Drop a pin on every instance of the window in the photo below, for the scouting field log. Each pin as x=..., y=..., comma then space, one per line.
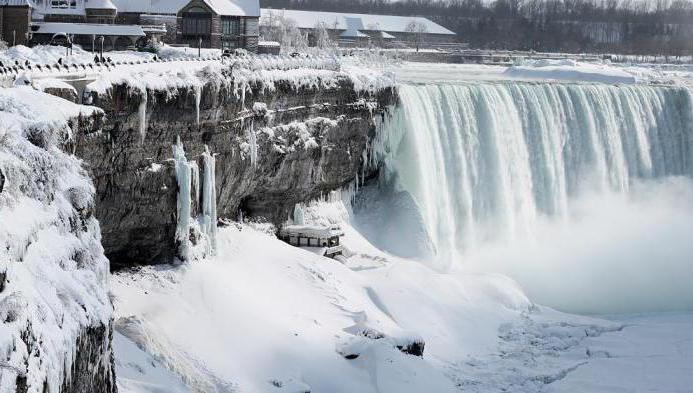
x=231, y=26
x=196, y=25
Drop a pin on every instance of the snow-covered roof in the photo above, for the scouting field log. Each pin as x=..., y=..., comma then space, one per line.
x=89, y=28
x=353, y=34
x=150, y=6
x=268, y=43
x=312, y=231
x=385, y=35
x=221, y=7
x=235, y=7
x=100, y=4
x=344, y=21
x=15, y=2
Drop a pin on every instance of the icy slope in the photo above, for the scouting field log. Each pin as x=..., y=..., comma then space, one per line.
x=53, y=274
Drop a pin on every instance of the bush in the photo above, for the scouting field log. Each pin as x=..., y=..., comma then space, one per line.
x=149, y=49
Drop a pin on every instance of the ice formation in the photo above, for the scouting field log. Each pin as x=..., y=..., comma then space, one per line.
x=53, y=274
x=142, y=113
x=198, y=99
x=183, y=177
x=298, y=215
x=208, y=218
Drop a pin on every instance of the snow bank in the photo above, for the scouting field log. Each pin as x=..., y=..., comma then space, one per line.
x=52, y=83
x=570, y=70
x=53, y=274
x=242, y=75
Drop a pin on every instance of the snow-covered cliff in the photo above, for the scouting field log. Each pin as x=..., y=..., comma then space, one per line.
x=54, y=305
x=281, y=133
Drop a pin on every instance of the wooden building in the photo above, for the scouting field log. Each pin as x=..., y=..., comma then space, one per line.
x=15, y=21
x=220, y=24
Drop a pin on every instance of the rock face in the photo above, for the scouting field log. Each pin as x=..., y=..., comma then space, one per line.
x=273, y=149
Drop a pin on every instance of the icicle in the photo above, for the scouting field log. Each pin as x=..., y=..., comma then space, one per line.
x=143, y=116
x=252, y=139
x=299, y=217
x=364, y=163
x=195, y=179
x=183, y=205
x=356, y=182
x=198, y=99
x=209, y=201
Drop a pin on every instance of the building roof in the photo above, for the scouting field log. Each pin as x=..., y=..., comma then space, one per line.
x=312, y=231
x=235, y=7
x=221, y=7
x=151, y=6
x=353, y=34
x=16, y=3
x=100, y=4
x=90, y=29
x=345, y=21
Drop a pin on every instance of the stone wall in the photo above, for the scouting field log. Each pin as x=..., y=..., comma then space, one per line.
x=135, y=179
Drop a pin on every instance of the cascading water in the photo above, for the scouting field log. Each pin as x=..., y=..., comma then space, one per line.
x=484, y=160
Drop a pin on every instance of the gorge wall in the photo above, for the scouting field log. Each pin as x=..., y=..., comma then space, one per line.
x=275, y=146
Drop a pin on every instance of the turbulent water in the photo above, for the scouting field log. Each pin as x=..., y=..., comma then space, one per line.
x=485, y=160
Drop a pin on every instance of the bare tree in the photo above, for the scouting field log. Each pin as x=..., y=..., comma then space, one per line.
x=417, y=31
x=277, y=27
x=322, y=36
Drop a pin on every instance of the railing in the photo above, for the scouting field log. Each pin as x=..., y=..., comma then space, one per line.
x=252, y=63
x=154, y=28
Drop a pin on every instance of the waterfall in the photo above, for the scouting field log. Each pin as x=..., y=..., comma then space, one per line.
x=484, y=160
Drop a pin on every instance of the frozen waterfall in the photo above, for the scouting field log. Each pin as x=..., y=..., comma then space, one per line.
x=183, y=178
x=484, y=160
x=208, y=219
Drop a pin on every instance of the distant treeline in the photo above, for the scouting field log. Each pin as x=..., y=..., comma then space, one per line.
x=661, y=27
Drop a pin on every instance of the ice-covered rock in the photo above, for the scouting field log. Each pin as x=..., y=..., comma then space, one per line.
x=54, y=303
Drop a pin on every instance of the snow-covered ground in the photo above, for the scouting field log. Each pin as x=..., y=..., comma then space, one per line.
x=652, y=353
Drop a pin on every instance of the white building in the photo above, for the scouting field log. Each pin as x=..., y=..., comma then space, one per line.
x=359, y=28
